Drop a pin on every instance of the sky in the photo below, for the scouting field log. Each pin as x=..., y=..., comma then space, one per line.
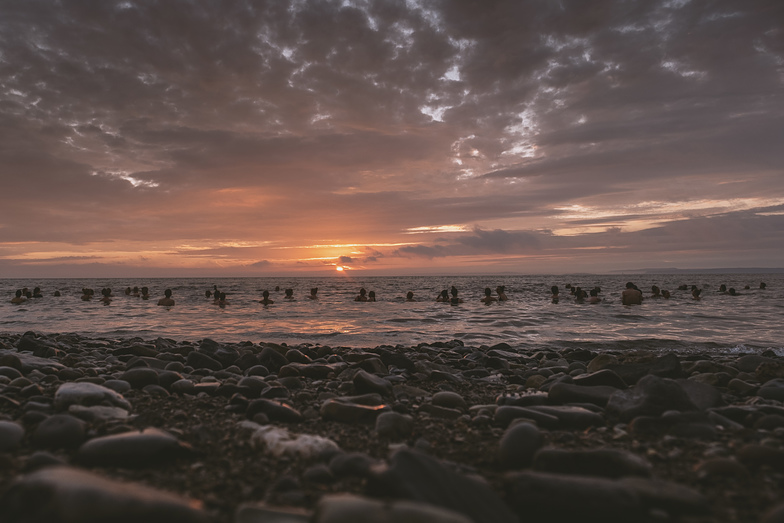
x=253, y=138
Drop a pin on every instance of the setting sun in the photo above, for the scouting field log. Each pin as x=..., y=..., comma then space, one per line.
x=338, y=268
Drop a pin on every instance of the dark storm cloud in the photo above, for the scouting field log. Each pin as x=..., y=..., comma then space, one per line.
x=125, y=119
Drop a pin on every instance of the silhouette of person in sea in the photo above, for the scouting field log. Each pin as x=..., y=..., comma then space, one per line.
x=631, y=295
x=265, y=298
x=289, y=294
x=695, y=293
x=167, y=299
x=37, y=293
x=57, y=294
x=655, y=292
x=107, y=296
x=362, y=295
x=763, y=285
x=579, y=295
x=454, y=300
x=145, y=293
x=665, y=294
x=554, y=292
x=222, y=301
x=135, y=292
x=128, y=291
x=410, y=296
x=594, y=296
x=18, y=298
x=733, y=292
x=313, y=293
x=443, y=297
x=207, y=294
x=87, y=294
x=488, y=299
x=723, y=289
x=372, y=296
x=501, y=294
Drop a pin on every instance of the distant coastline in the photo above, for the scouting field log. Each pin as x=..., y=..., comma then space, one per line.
x=732, y=270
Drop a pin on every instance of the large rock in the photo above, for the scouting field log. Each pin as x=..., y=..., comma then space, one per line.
x=85, y=393
x=608, y=463
x=148, y=448
x=11, y=435
x=59, y=431
x=561, y=393
x=537, y=496
x=518, y=445
x=652, y=396
x=274, y=410
x=415, y=476
x=342, y=508
x=68, y=495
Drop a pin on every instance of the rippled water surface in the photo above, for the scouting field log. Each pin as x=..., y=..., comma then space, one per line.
x=752, y=321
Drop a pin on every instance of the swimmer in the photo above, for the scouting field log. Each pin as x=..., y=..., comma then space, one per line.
x=128, y=291
x=277, y=288
x=594, y=297
x=289, y=294
x=655, y=292
x=18, y=298
x=763, y=285
x=665, y=294
x=135, y=292
x=86, y=294
x=454, y=300
x=372, y=296
x=695, y=294
x=107, y=296
x=207, y=294
x=145, y=293
x=37, y=293
x=56, y=294
x=488, y=299
x=501, y=294
x=579, y=295
x=733, y=292
x=265, y=298
x=410, y=296
x=631, y=295
x=443, y=297
x=747, y=287
x=683, y=287
x=554, y=291
x=222, y=302
x=167, y=299
x=362, y=295
x=723, y=289
x=313, y=293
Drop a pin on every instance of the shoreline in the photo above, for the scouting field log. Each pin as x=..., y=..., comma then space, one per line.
x=651, y=437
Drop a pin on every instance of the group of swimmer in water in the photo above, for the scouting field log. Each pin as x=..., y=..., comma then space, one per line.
x=631, y=295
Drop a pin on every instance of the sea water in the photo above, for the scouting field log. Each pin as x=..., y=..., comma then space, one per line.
x=750, y=322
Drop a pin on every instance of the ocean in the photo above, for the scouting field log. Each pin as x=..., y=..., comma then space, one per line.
x=750, y=322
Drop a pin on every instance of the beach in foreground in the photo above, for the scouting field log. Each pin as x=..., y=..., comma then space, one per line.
x=161, y=430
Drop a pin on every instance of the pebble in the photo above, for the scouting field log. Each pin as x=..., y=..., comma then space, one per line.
x=67, y=491
x=274, y=410
x=451, y=400
x=339, y=410
x=608, y=463
x=393, y=425
x=262, y=513
x=651, y=396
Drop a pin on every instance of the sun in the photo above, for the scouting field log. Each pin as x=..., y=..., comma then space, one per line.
x=339, y=268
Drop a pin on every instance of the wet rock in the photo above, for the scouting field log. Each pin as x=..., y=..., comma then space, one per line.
x=667, y=366
x=337, y=410
x=602, y=361
x=365, y=382
x=59, y=431
x=772, y=390
x=340, y=508
x=84, y=393
x=441, y=412
x=98, y=413
x=673, y=498
x=571, y=417
x=183, y=386
x=756, y=456
x=506, y=413
x=261, y=513
x=11, y=435
x=536, y=496
x=59, y=494
x=139, y=377
x=279, y=441
x=451, y=400
x=518, y=445
x=525, y=400
x=720, y=468
x=608, y=463
x=274, y=410
x=257, y=370
x=118, y=386
x=415, y=476
x=774, y=515
x=697, y=430
x=199, y=360
x=272, y=359
x=604, y=377
x=150, y=447
x=393, y=425
x=650, y=397
x=702, y=395
x=356, y=464
x=561, y=393
x=319, y=473
x=10, y=372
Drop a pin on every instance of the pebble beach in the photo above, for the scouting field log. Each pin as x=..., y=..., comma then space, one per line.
x=96, y=429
